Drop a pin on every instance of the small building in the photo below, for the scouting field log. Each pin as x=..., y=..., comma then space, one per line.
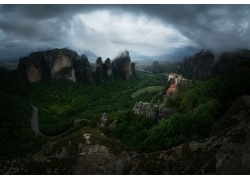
x=176, y=77
x=173, y=89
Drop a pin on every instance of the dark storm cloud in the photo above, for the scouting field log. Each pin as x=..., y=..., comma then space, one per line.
x=27, y=28
x=216, y=27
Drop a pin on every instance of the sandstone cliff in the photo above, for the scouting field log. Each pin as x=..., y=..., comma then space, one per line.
x=109, y=69
x=201, y=64
x=58, y=63
x=122, y=64
x=99, y=70
x=233, y=61
x=54, y=64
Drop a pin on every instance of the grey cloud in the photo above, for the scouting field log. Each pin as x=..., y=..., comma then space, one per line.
x=215, y=27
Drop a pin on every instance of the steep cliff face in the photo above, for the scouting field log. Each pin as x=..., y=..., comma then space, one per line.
x=233, y=61
x=54, y=64
x=153, y=112
x=83, y=71
x=122, y=64
x=109, y=69
x=203, y=64
x=200, y=65
x=133, y=70
x=58, y=63
x=99, y=70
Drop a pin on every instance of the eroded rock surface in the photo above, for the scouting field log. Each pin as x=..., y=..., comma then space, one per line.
x=201, y=64
x=153, y=112
x=109, y=69
x=122, y=64
x=55, y=64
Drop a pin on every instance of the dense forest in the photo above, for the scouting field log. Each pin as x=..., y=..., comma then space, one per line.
x=61, y=102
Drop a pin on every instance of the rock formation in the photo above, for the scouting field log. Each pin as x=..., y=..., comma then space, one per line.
x=58, y=63
x=83, y=71
x=133, y=70
x=201, y=65
x=233, y=61
x=99, y=70
x=109, y=69
x=155, y=112
x=122, y=64
x=55, y=64
x=104, y=119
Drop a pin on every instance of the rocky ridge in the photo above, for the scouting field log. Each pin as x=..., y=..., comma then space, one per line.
x=203, y=64
x=58, y=63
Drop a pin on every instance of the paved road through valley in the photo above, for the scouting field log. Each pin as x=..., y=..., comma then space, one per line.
x=34, y=120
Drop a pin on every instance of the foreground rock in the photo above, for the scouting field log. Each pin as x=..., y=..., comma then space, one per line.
x=87, y=151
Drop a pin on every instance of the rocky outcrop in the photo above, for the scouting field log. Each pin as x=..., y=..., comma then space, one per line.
x=83, y=71
x=109, y=69
x=55, y=64
x=58, y=63
x=87, y=151
x=200, y=65
x=104, y=119
x=122, y=64
x=99, y=70
x=153, y=112
x=233, y=61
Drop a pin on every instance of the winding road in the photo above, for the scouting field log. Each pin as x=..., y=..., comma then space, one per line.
x=34, y=120
x=35, y=127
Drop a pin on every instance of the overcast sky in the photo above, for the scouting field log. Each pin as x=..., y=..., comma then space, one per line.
x=106, y=30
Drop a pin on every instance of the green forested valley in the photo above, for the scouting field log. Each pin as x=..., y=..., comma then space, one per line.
x=61, y=102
